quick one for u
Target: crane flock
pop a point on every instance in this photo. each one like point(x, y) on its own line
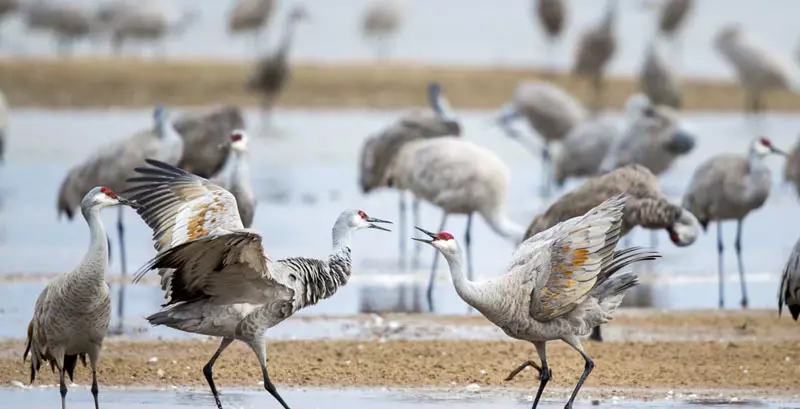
point(188, 180)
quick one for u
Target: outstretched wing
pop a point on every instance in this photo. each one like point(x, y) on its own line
point(580, 250)
point(180, 207)
point(229, 266)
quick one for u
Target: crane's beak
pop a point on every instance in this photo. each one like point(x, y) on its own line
point(372, 225)
point(429, 234)
point(778, 151)
point(126, 202)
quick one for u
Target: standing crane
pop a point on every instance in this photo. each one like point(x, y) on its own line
point(552, 16)
point(235, 177)
point(789, 292)
point(144, 21)
point(380, 23)
point(271, 73)
point(72, 313)
point(729, 187)
point(250, 16)
point(759, 69)
point(112, 165)
point(559, 285)
point(222, 283)
point(66, 21)
point(379, 151)
point(646, 207)
point(658, 79)
point(550, 111)
point(596, 47)
point(206, 136)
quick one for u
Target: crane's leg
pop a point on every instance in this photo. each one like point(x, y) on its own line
point(596, 335)
point(435, 263)
point(521, 367)
point(597, 93)
point(653, 240)
point(402, 229)
point(260, 349)
point(415, 221)
point(124, 268)
point(208, 373)
point(94, 356)
point(546, 170)
point(63, 385)
point(738, 246)
point(545, 372)
point(587, 368)
point(720, 265)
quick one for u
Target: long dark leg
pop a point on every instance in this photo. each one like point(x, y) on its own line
point(417, 245)
point(63, 388)
point(544, 377)
point(402, 228)
point(546, 170)
point(596, 335)
point(124, 269)
point(435, 264)
point(587, 369)
point(261, 353)
point(94, 356)
point(522, 366)
point(738, 245)
point(720, 265)
point(207, 369)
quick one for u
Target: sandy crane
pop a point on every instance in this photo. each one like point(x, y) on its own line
point(380, 150)
point(112, 165)
point(250, 16)
point(4, 114)
point(222, 283)
point(235, 177)
point(380, 23)
point(72, 313)
point(551, 113)
point(596, 47)
point(728, 187)
point(671, 18)
point(559, 284)
point(272, 72)
point(67, 21)
point(646, 207)
point(459, 177)
point(206, 136)
point(759, 69)
point(552, 17)
point(655, 138)
point(144, 21)
point(791, 172)
point(658, 79)
point(789, 292)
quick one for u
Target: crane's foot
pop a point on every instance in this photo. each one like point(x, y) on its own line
point(744, 303)
point(520, 368)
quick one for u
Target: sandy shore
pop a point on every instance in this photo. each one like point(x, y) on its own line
point(762, 359)
point(134, 83)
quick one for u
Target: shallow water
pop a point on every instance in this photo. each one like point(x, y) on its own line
point(306, 175)
point(469, 32)
point(317, 398)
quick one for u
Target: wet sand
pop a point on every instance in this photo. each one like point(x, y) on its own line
point(135, 83)
point(763, 359)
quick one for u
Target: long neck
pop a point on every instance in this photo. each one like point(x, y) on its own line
point(165, 131)
point(96, 259)
point(235, 168)
point(464, 288)
point(288, 36)
point(755, 162)
point(502, 225)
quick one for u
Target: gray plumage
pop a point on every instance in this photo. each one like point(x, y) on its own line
point(791, 172)
point(673, 16)
point(789, 292)
point(235, 177)
point(558, 285)
point(72, 313)
point(206, 138)
point(646, 206)
point(66, 21)
point(271, 73)
point(583, 150)
point(658, 78)
point(596, 47)
point(759, 69)
point(250, 15)
point(654, 138)
point(222, 282)
point(729, 187)
point(551, 15)
point(380, 23)
point(143, 21)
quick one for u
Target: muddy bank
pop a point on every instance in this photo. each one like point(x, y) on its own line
point(134, 83)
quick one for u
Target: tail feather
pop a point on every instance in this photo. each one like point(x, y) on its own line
point(624, 258)
point(70, 361)
point(615, 286)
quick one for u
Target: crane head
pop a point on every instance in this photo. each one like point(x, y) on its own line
point(239, 140)
point(103, 196)
point(358, 219)
point(443, 241)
